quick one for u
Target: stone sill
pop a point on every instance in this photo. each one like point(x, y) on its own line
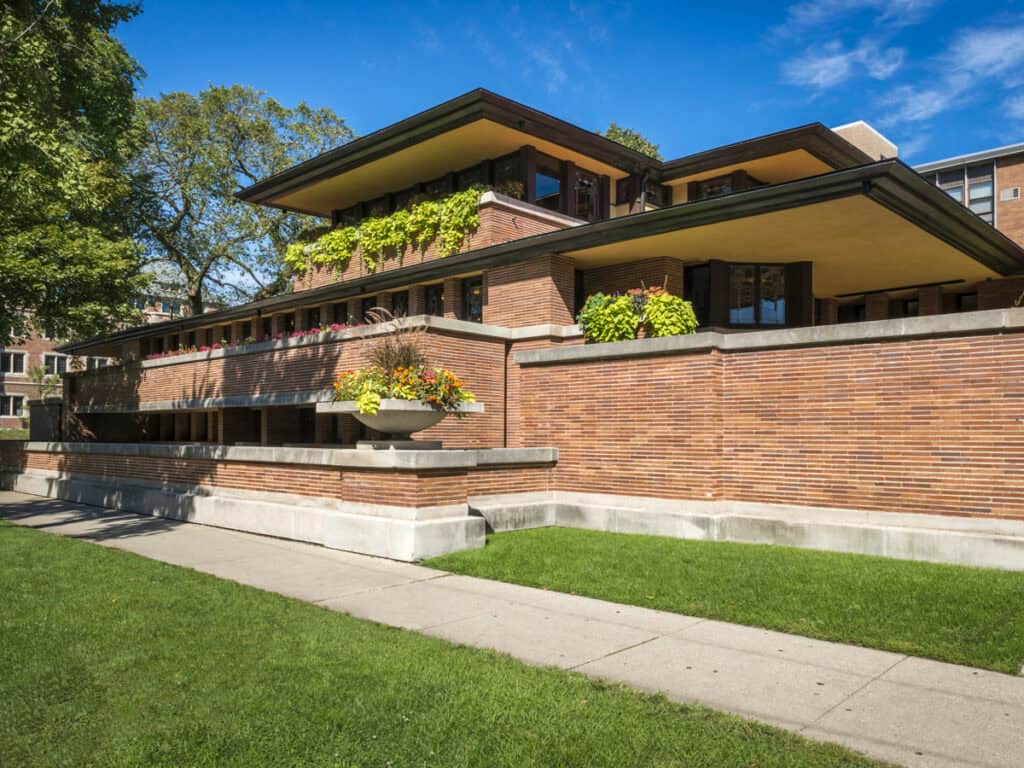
point(993, 321)
point(344, 458)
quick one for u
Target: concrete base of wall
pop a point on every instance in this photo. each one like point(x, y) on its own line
point(398, 533)
point(992, 543)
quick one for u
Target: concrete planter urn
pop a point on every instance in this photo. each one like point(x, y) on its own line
point(398, 419)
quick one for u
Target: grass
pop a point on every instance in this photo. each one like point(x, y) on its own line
point(13, 434)
point(109, 659)
point(972, 616)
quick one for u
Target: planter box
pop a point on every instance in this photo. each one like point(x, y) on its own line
point(398, 418)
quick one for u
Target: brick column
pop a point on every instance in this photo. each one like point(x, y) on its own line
point(278, 324)
point(417, 305)
point(929, 300)
point(453, 298)
point(828, 312)
point(197, 426)
point(181, 426)
point(326, 315)
point(877, 306)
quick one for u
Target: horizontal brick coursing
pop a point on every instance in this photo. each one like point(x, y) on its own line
point(619, 278)
point(927, 425)
point(538, 290)
point(394, 488)
point(480, 362)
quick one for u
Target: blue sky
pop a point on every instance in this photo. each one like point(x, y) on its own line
point(939, 78)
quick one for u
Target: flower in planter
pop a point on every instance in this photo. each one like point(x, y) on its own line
point(438, 387)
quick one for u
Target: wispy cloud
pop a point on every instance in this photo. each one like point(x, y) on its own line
point(428, 39)
point(550, 66)
point(914, 145)
point(977, 58)
point(829, 65)
point(1015, 106)
point(816, 13)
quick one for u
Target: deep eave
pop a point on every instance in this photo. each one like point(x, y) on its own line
point(821, 142)
point(479, 104)
point(891, 183)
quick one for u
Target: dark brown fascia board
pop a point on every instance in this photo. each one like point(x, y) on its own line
point(889, 182)
point(476, 105)
point(825, 144)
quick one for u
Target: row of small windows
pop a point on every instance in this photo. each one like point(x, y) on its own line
point(12, 405)
point(53, 364)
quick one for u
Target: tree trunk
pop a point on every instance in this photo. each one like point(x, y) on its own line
point(195, 300)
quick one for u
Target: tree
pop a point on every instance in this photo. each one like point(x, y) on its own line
point(198, 151)
point(67, 266)
point(632, 139)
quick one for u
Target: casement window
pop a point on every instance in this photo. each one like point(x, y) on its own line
point(853, 313)
point(55, 364)
point(12, 405)
point(966, 302)
point(400, 303)
point(158, 345)
point(433, 299)
point(93, 363)
point(174, 343)
point(549, 183)
point(12, 362)
point(973, 186)
point(367, 306)
point(288, 324)
point(209, 337)
point(697, 291)
point(757, 294)
point(191, 339)
point(341, 312)
point(312, 317)
point(736, 181)
point(509, 175)
point(473, 299)
point(247, 328)
point(267, 326)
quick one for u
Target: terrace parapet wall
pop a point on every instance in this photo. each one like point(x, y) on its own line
point(917, 415)
point(299, 371)
point(502, 219)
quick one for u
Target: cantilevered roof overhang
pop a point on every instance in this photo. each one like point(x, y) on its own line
point(476, 126)
point(880, 224)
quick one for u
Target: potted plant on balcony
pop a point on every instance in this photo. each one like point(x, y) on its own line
point(399, 394)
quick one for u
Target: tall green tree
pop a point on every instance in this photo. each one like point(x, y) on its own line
point(198, 150)
point(632, 139)
point(67, 265)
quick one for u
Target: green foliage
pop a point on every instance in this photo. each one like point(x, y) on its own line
point(618, 318)
point(447, 221)
point(198, 150)
point(47, 383)
point(67, 264)
point(632, 139)
point(668, 315)
point(438, 387)
point(400, 349)
point(609, 318)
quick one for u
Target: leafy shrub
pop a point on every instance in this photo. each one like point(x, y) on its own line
point(607, 318)
point(668, 315)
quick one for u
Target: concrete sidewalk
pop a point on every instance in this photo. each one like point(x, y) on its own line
point(907, 710)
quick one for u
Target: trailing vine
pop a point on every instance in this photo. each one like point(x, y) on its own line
point(447, 222)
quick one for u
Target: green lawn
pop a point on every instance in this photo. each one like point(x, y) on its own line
point(969, 616)
point(108, 659)
point(13, 434)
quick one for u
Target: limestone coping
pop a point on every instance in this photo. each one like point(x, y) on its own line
point(461, 327)
point(396, 404)
point(351, 458)
point(993, 321)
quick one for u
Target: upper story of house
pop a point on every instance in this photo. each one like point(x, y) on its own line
point(989, 183)
point(801, 227)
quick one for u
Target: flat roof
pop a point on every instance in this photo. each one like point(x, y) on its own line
point(890, 183)
point(973, 157)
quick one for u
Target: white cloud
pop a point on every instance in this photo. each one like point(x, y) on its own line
point(913, 145)
point(551, 66)
point(987, 58)
point(829, 65)
point(1015, 106)
point(816, 13)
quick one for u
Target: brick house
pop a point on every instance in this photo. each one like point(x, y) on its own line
point(857, 358)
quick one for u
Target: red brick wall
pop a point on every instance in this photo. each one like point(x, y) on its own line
point(480, 362)
point(404, 489)
point(35, 348)
point(1010, 213)
point(619, 278)
point(538, 290)
point(927, 425)
point(498, 224)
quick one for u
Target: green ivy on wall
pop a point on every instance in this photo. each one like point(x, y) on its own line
point(447, 221)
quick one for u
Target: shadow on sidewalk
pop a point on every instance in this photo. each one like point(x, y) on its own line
point(55, 515)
